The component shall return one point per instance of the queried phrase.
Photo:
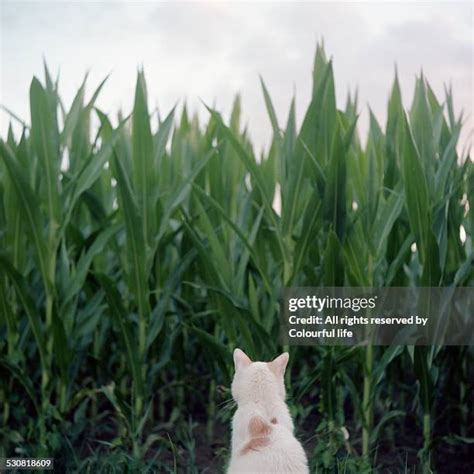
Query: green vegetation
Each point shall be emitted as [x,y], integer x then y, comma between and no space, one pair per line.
[135,255]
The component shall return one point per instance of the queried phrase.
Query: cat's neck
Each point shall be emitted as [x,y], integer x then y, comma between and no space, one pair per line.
[270,407]
[268,401]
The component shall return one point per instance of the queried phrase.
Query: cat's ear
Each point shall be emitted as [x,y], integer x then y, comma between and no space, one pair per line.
[278,365]
[241,359]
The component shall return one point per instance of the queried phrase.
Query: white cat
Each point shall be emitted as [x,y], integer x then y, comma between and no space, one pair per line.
[262,428]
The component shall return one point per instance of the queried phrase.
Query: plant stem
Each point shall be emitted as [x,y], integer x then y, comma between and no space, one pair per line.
[211,411]
[426,442]
[367,402]
[49,343]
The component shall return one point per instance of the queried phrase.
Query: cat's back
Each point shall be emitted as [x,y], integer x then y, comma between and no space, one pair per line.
[282,454]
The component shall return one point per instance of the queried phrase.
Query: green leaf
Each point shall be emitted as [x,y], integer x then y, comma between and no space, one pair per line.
[45,136]
[216,351]
[245,240]
[24,380]
[136,244]
[29,208]
[76,283]
[311,221]
[31,311]
[387,213]
[333,270]
[119,316]
[256,177]
[162,136]
[91,171]
[270,110]
[386,417]
[143,160]
[419,211]
[421,121]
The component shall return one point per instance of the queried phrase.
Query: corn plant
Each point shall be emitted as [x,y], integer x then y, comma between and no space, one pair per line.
[135,255]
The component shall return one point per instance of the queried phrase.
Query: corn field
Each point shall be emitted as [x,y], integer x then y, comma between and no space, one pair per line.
[135,255]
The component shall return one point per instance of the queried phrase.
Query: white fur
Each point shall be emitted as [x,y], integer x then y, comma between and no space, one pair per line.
[258,388]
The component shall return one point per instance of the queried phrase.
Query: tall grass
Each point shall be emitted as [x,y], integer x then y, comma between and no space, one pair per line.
[136,256]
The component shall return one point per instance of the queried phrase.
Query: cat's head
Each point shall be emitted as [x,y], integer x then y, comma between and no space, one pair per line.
[258,381]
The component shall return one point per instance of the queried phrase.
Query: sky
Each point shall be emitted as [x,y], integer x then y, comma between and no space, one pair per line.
[210,51]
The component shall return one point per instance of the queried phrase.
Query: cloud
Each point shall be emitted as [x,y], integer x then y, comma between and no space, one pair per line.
[212,51]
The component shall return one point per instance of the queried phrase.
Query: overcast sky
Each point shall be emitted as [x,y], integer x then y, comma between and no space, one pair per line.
[193,50]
